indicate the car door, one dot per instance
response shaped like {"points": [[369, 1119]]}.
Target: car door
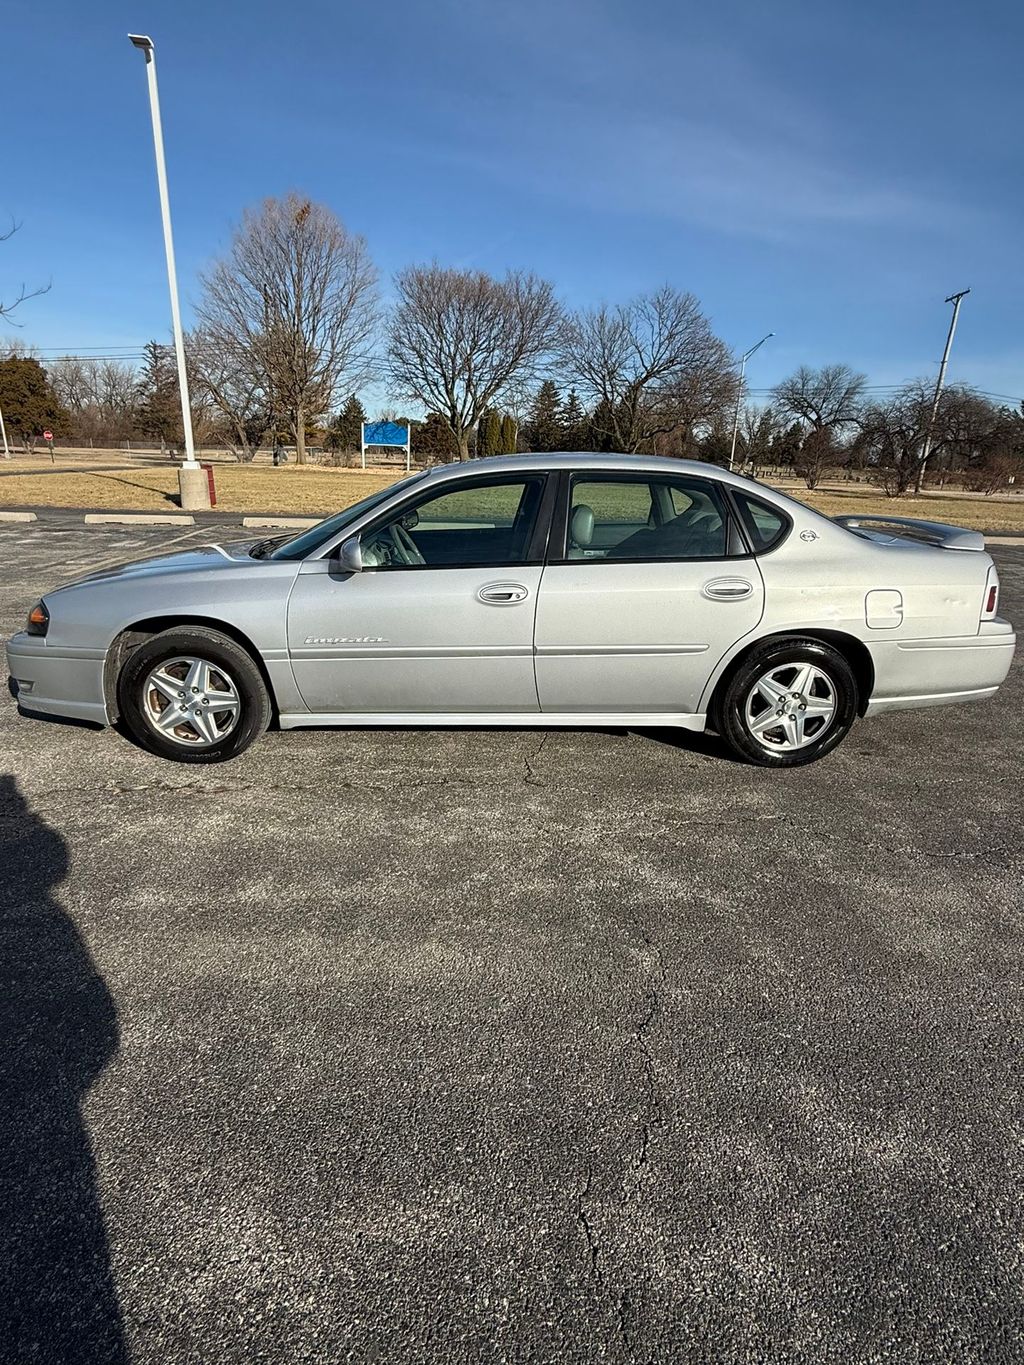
{"points": [[652, 584], [440, 620]]}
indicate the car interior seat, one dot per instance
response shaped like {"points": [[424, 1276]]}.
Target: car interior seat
{"points": [[581, 531]]}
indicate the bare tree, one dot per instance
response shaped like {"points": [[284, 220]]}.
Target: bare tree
{"points": [[224, 382], [460, 341], [647, 367], [827, 401], [292, 307], [6, 309]]}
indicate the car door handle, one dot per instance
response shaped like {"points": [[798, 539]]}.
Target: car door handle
{"points": [[503, 594], [727, 589]]}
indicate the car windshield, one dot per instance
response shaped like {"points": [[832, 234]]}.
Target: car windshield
{"points": [[298, 547]]}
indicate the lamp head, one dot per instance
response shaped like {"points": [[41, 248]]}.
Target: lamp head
{"points": [[143, 43]]}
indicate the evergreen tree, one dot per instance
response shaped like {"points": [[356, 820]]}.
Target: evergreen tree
{"points": [[601, 427], [433, 439], [573, 435], [544, 428], [488, 434], [509, 435], [346, 430], [160, 410], [27, 400]]}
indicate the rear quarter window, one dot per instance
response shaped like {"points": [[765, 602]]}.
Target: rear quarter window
{"points": [[766, 526]]}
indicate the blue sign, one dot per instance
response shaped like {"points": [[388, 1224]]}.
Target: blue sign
{"points": [[385, 434]]}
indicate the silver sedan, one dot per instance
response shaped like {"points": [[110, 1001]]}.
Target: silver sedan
{"points": [[585, 590]]}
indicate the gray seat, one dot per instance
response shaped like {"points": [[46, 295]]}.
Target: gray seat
{"points": [[581, 531]]}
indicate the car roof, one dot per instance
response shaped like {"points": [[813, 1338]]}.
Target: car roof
{"points": [[584, 459]]}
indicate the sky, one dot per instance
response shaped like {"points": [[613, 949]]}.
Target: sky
{"points": [[827, 171]]}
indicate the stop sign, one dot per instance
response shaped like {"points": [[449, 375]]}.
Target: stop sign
{"points": [[47, 435]]}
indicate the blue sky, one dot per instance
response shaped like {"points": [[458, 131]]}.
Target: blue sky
{"points": [[829, 171]]}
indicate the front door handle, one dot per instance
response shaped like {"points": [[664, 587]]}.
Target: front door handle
{"points": [[727, 589], [503, 594]]}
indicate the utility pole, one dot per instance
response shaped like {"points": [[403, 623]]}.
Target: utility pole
{"points": [[926, 448], [739, 396]]}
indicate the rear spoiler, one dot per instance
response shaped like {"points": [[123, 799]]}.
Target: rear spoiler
{"points": [[909, 528]]}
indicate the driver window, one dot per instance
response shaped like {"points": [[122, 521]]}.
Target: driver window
{"points": [[480, 524]]}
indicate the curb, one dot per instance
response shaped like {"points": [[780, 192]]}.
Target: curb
{"points": [[18, 516], [300, 522], [136, 519]]}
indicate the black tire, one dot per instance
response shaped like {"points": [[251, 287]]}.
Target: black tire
{"points": [[221, 653], [839, 686]]}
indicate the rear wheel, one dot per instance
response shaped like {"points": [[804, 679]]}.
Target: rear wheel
{"points": [[193, 695], [788, 703]]}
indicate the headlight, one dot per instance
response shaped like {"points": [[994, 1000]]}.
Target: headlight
{"points": [[38, 622]]}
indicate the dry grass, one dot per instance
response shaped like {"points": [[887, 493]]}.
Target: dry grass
{"points": [[979, 514], [240, 488], [318, 492]]}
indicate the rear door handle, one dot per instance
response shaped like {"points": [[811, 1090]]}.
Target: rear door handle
{"points": [[727, 589], [503, 594]]}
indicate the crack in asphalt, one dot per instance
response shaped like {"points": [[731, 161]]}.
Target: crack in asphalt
{"points": [[529, 760], [597, 1273]]}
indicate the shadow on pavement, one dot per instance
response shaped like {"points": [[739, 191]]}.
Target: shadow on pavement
{"points": [[58, 1029]]}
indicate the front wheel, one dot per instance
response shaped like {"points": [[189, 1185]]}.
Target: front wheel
{"points": [[788, 703], [193, 695]]}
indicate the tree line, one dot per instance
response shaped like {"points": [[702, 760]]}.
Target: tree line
{"points": [[289, 326]]}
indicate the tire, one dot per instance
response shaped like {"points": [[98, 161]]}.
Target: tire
{"points": [[209, 674], [754, 716]]}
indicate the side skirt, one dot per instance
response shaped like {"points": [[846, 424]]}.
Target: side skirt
{"points": [[479, 720]]}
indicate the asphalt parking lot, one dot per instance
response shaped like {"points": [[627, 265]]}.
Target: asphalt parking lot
{"points": [[505, 1046]]}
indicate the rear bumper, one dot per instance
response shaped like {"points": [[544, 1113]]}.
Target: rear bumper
{"points": [[52, 682], [939, 672]]}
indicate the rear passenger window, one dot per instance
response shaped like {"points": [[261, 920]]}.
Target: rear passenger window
{"points": [[645, 517], [765, 525]]}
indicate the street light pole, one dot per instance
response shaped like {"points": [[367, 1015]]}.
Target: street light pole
{"points": [[739, 396], [3, 435], [145, 45], [926, 448]]}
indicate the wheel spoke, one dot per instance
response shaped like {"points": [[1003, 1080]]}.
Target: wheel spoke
{"points": [[767, 720], [819, 706], [803, 678], [171, 717], [168, 687], [204, 724], [771, 691]]}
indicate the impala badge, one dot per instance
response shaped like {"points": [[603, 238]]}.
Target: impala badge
{"points": [[346, 640]]}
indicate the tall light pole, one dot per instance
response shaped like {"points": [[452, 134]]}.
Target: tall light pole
{"points": [[3, 436], [739, 396], [189, 481], [926, 448]]}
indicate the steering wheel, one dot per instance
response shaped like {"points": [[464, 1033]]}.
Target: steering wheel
{"points": [[404, 546]]}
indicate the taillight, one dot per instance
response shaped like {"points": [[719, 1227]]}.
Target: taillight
{"points": [[990, 600]]}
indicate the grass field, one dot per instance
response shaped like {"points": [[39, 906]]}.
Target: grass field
{"points": [[298, 491]]}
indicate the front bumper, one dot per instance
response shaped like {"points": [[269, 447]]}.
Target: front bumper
{"points": [[56, 682]]}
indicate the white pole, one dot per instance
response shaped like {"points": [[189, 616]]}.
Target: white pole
{"points": [[3, 433], [146, 46], [739, 395], [362, 442]]}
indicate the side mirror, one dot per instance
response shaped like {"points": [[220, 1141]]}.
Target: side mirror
{"points": [[350, 555]]}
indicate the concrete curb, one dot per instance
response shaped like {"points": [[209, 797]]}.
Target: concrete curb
{"points": [[300, 522], [18, 516], [136, 519]]}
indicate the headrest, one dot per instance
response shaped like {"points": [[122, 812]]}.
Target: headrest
{"points": [[581, 527]]}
